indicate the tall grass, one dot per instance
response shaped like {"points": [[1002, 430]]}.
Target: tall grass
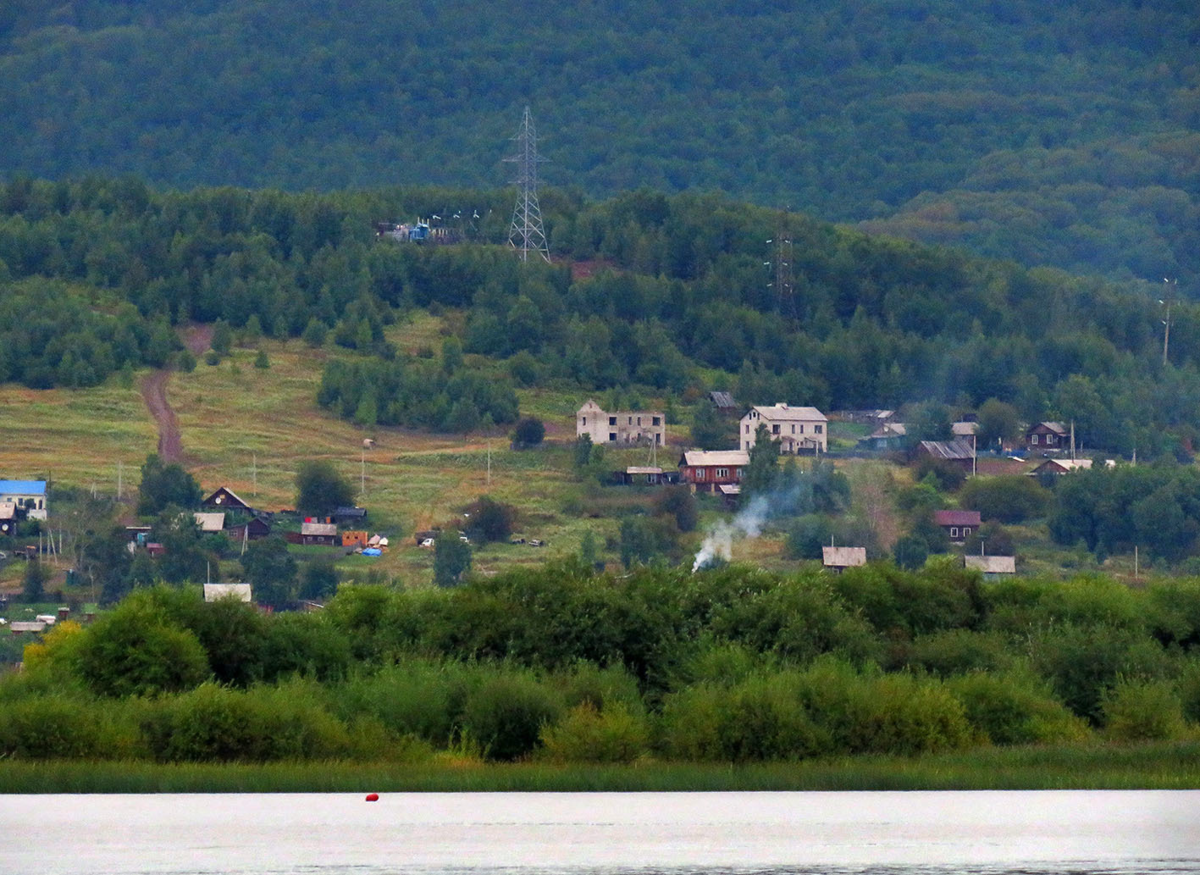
{"points": [[1162, 765]]}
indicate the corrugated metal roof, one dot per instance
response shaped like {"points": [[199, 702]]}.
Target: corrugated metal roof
{"points": [[843, 557], [730, 458], [210, 522], [22, 487], [956, 517], [722, 399], [953, 451], [992, 564], [730, 488]]}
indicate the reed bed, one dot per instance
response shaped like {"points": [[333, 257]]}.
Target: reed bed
{"points": [[1173, 766]]}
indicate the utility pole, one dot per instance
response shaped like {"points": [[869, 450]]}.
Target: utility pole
{"points": [[1170, 298], [489, 463], [783, 284], [362, 485], [526, 234], [254, 474], [119, 478]]}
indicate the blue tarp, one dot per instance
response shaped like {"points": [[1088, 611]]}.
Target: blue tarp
{"points": [[372, 551]]}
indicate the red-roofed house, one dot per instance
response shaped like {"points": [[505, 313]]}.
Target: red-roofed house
{"points": [[958, 524]]}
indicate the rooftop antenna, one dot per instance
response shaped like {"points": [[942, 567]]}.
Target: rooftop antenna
{"points": [[782, 282], [526, 233]]}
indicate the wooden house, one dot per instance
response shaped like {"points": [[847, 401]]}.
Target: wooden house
{"points": [[320, 534], [957, 524], [1047, 436], [350, 516], [706, 470], [959, 452], [889, 436], [254, 529], [225, 499], [723, 403]]}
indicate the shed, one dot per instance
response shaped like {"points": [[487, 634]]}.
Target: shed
{"points": [[239, 591], [839, 558], [253, 530], [957, 452], [348, 516], [991, 566], [723, 401]]}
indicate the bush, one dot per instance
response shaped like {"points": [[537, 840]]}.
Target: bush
{"points": [[505, 715], [418, 698], [52, 727], [958, 651], [490, 520], [1011, 710], [132, 652], [761, 718], [1143, 711], [529, 433], [585, 734]]}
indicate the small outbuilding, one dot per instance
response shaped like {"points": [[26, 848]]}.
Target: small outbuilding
{"points": [[319, 534], [1061, 466], [238, 591], [993, 567], [210, 523], [841, 558]]}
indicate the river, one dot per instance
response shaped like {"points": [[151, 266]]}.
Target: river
{"points": [[902, 833]]}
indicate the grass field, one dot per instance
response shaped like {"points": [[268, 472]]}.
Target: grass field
{"points": [[1174, 766]]}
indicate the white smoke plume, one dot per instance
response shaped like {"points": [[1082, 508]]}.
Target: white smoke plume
{"points": [[749, 521]]}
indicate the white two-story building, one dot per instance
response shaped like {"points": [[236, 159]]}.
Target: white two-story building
{"points": [[796, 429]]}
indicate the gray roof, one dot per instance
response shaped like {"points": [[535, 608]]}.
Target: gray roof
{"points": [[843, 557], [318, 529], [722, 399], [950, 450], [787, 413], [732, 458], [992, 564], [239, 591], [210, 522]]}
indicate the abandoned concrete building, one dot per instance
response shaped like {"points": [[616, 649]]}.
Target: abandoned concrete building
{"points": [[622, 427]]}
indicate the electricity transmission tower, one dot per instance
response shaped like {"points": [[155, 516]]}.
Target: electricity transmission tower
{"points": [[526, 234], [783, 284]]}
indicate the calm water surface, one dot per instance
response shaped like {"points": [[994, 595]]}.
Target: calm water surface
{"points": [[603, 833]]}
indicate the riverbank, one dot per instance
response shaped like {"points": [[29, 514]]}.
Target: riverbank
{"points": [[1167, 766]]}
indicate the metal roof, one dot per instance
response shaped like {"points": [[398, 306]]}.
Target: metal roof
{"points": [[22, 487], [787, 413], [239, 591], [843, 557], [722, 399], [956, 517], [964, 429], [949, 450], [318, 529], [643, 469], [731, 458], [210, 522], [992, 564]]}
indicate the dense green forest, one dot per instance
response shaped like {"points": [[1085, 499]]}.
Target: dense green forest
{"points": [[680, 303], [731, 665], [1059, 133]]}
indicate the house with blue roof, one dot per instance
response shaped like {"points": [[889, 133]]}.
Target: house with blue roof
{"points": [[28, 495]]}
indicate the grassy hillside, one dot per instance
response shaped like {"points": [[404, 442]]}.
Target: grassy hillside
{"points": [[1060, 133]]}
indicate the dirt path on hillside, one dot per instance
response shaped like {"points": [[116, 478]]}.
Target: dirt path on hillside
{"points": [[197, 339]]}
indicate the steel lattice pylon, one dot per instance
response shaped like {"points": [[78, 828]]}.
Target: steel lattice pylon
{"points": [[526, 233]]}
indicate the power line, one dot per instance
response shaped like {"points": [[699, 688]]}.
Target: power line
{"points": [[526, 233]]}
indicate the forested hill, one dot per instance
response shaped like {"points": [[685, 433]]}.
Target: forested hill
{"points": [[1065, 133], [649, 294]]}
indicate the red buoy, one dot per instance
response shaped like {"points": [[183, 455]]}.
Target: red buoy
{"points": [[372, 797]]}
